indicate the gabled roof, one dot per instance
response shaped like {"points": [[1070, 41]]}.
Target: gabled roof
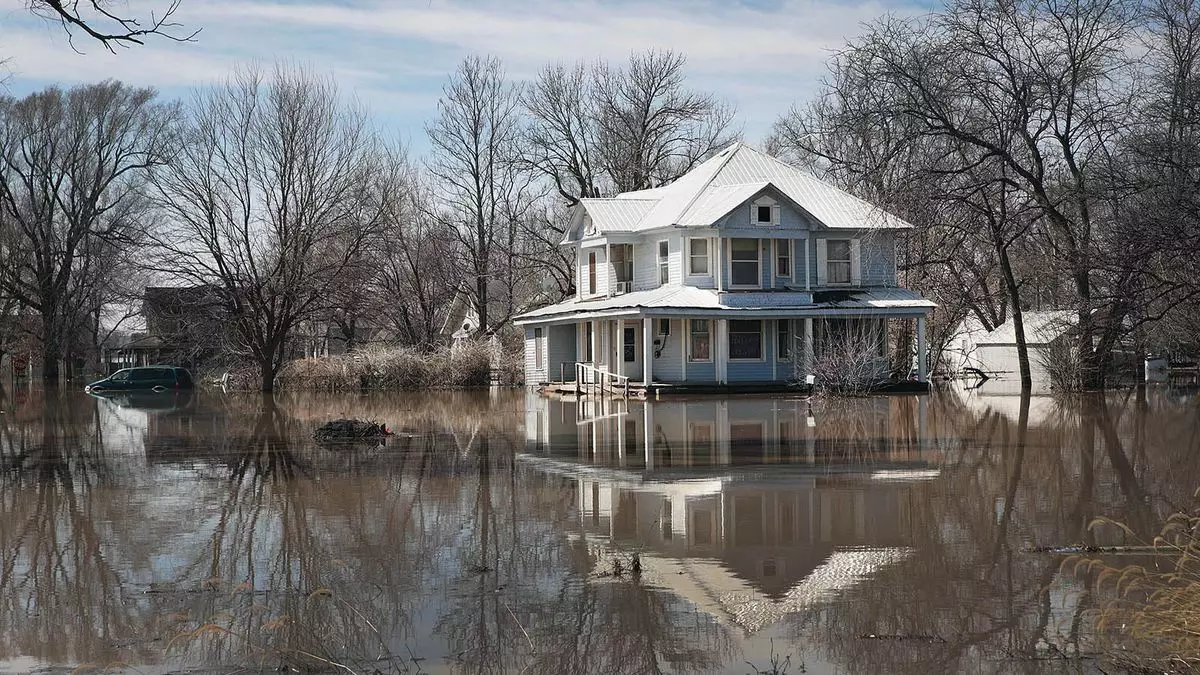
{"points": [[1040, 328], [711, 190]]}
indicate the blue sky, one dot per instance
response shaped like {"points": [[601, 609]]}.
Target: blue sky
{"points": [[394, 55]]}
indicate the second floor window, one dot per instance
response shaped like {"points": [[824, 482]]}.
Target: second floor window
{"points": [[591, 271], [622, 262], [783, 258], [698, 256], [743, 264], [664, 270], [838, 261]]}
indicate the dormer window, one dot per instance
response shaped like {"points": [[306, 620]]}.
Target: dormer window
{"points": [[764, 211]]}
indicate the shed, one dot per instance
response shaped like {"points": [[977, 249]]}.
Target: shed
{"points": [[997, 351]]}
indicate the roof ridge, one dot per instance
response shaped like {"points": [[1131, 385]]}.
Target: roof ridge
{"points": [[732, 150]]}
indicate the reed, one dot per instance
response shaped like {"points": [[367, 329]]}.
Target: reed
{"points": [[395, 368], [1150, 621]]}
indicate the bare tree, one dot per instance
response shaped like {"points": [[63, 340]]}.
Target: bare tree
{"points": [[73, 167], [598, 129], [417, 267], [479, 180], [100, 20], [1045, 89], [272, 198]]}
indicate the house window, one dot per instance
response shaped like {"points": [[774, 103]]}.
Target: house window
{"points": [[664, 326], [764, 213], [588, 336], [744, 263], [697, 256], [629, 345], [783, 258], [664, 271], [537, 348], [699, 342], [591, 286], [745, 339], [837, 261], [622, 261], [783, 344]]}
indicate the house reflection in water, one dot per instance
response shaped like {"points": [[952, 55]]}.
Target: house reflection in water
{"points": [[749, 508]]}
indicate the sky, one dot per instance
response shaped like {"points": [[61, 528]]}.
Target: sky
{"points": [[395, 55]]}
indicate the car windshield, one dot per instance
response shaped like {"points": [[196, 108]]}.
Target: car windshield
{"points": [[120, 375]]}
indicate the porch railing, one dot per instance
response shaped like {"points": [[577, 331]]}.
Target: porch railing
{"points": [[598, 382]]}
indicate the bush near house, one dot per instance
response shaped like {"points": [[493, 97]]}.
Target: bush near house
{"points": [[470, 365]]}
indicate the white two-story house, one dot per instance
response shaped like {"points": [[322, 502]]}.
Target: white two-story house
{"points": [[740, 272]]}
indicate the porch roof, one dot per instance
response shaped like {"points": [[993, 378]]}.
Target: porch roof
{"points": [[667, 301]]}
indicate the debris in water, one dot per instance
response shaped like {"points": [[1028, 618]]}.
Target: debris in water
{"points": [[351, 430]]}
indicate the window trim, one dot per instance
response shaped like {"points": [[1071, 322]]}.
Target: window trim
{"points": [[762, 347], [625, 262], [787, 250], [758, 259], [848, 261], [591, 272], [691, 357], [783, 336], [664, 262], [538, 363], [708, 250]]}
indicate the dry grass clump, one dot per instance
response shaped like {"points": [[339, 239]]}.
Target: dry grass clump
{"points": [[396, 368], [1152, 621]]}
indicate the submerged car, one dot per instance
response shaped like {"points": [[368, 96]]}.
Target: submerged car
{"points": [[145, 378]]}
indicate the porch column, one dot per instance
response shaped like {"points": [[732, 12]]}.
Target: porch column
{"points": [[720, 348], [595, 343], [922, 361], [809, 355], [647, 352], [648, 433]]}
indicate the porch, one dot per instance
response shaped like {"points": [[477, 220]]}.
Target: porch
{"points": [[649, 355]]}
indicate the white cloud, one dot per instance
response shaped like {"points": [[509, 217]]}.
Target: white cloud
{"points": [[395, 55]]}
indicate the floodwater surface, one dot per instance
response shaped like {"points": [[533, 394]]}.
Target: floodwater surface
{"points": [[502, 532]]}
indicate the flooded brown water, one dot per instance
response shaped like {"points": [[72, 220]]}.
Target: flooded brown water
{"points": [[497, 532]]}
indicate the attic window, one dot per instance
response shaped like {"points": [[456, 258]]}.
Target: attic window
{"points": [[764, 211]]}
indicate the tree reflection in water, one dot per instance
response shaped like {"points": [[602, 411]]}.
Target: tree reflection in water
{"points": [[216, 533], [977, 596]]}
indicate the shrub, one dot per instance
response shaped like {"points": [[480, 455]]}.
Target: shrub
{"points": [[470, 365], [850, 364]]}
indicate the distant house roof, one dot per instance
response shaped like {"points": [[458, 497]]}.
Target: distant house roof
{"points": [[666, 300], [1041, 328], [715, 187]]}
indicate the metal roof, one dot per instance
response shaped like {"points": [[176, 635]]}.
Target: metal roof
{"points": [[617, 215], [1040, 328], [717, 201], [718, 185], [689, 300]]}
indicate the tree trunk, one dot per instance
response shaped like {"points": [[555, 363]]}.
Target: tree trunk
{"points": [[267, 372], [50, 362], [481, 293], [1014, 296]]}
